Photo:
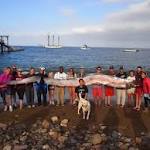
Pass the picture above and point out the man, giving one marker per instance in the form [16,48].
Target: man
[82,89]
[5,91]
[29,89]
[41,87]
[146,90]
[121,92]
[60,90]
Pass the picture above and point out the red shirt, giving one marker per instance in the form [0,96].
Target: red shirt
[146,85]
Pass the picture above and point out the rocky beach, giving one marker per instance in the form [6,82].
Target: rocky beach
[52,128]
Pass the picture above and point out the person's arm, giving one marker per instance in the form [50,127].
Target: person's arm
[56,76]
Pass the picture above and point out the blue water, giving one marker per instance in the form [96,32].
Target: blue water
[75,57]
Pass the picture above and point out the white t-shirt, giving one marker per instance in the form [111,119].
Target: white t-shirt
[60,76]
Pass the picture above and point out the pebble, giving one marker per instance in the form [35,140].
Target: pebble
[64,123]
[96,139]
[7,147]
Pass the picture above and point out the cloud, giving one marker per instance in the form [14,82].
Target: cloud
[87,29]
[68,12]
[129,27]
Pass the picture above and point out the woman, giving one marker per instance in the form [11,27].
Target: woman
[109,91]
[5,90]
[97,89]
[71,75]
[131,89]
[138,88]
[51,89]
[146,90]
[20,88]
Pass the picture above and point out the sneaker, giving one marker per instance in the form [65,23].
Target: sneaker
[5,108]
[10,108]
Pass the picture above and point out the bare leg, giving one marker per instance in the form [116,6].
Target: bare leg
[20,104]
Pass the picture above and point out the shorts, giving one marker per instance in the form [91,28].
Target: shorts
[109,91]
[97,91]
[20,92]
[131,91]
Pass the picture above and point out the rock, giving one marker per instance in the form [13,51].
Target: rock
[46,147]
[23,138]
[124,147]
[115,134]
[73,141]
[20,147]
[64,123]
[127,140]
[45,124]
[138,140]
[62,139]
[96,139]
[54,119]
[54,134]
[102,127]
[3,126]
[7,147]
[132,148]
[87,145]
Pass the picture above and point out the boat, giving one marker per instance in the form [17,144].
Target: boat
[53,45]
[84,47]
[131,50]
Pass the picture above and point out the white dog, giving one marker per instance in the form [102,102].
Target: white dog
[85,105]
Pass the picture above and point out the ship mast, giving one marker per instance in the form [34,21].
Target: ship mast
[53,40]
[58,40]
[48,40]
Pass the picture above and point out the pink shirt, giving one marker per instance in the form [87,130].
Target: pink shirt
[146,85]
[4,78]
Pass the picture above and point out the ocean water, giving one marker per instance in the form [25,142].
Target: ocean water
[75,57]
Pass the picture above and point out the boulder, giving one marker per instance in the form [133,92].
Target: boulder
[46,147]
[138,140]
[64,123]
[45,124]
[3,126]
[54,119]
[96,139]
[62,139]
[20,147]
[54,134]
[7,147]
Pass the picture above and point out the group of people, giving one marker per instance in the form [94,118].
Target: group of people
[136,90]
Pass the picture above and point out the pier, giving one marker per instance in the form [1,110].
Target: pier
[4,44]
[5,47]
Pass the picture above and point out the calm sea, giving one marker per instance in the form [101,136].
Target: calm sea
[75,57]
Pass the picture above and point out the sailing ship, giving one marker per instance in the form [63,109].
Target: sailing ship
[53,45]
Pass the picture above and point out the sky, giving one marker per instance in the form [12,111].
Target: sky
[104,23]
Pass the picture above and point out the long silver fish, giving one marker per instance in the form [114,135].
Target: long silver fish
[89,80]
